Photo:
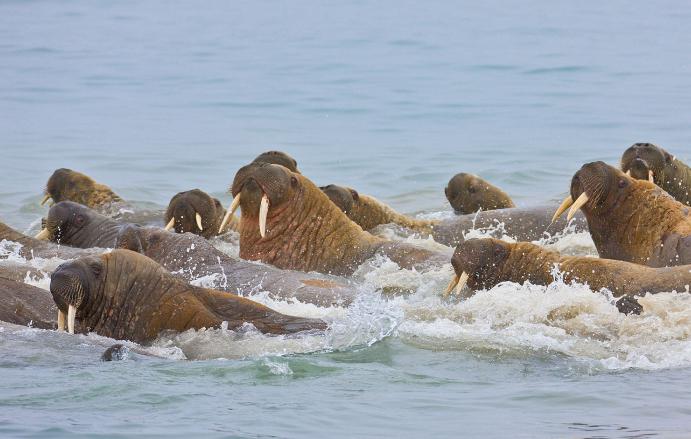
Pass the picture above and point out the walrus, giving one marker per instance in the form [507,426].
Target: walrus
[127,296]
[368,212]
[646,161]
[630,220]
[278,158]
[484,263]
[26,305]
[197,212]
[521,223]
[31,248]
[287,221]
[68,185]
[468,193]
[190,256]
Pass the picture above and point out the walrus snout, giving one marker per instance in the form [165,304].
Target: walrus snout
[341,196]
[193,211]
[68,294]
[474,260]
[63,219]
[645,161]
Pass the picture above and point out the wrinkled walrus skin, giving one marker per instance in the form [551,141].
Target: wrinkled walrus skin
[644,161]
[368,212]
[191,256]
[488,262]
[520,223]
[632,220]
[468,193]
[26,305]
[184,208]
[127,296]
[287,221]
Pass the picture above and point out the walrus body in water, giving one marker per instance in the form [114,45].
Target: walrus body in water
[630,220]
[127,296]
[31,248]
[645,161]
[26,305]
[287,221]
[197,212]
[368,212]
[190,256]
[484,263]
[468,193]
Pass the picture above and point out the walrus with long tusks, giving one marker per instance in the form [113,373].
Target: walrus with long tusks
[287,221]
[197,212]
[368,212]
[630,220]
[191,256]
[484,263]
[127,296]
[646,161]
[520,223]
[26,305]
[468,193]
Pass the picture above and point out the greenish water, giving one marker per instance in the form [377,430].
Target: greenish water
[391,98]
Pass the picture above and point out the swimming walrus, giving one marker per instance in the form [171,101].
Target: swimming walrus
[26,305]
[484,263]
[520,223]
[68,185]
[630,220]
[197,212]
[368,212]
[30,248]
[127,296]
[468,193]
[190,256]
[287,221]
[646,161]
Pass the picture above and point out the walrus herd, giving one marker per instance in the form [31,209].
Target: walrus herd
[127,275]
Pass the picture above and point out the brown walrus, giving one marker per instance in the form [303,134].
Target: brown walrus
[288,222]
[630,220]
[484,263]
[24,304]
[468,193]
[197,212]
[127,296]
[278,158]
[368,212]
[190,256]
[68,185]
[646,161]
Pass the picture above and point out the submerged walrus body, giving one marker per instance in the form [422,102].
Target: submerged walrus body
[287,221]
[190,256]
[31,248]
[26,305]
[630,220]
[645,161]
[520,223]
[484,263]
[127,296]
[468,193]
[368,212]
[197,212]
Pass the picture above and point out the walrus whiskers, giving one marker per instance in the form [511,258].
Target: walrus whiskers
[263,213]
[568,201]
[231,210]
[577,205]
[199,221]
[170,224]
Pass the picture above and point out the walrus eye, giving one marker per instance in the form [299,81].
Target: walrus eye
[622,184]
[95,268]
[293,181]
[472,189]
[79,220]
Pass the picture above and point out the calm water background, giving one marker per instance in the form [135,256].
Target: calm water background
[391,98]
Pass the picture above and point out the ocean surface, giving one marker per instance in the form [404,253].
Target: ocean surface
[391,98]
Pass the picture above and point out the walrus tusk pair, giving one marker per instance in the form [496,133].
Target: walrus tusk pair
[568,202]
[263,213]
[458,282]
[45,200]
[71,317]
[198,217]
[43,235]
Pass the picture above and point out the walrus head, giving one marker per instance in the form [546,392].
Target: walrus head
[468,193]
[194,211]
[64,223]
[72,285]
[476,263]
[343,197]
[278,158]
[646,161]
[68,185]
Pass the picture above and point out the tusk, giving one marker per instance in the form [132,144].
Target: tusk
[461,283]
[263,212]
[71,315]
[170,224]
[650,176]
[231,210]
[61,321]
[568,201]
[43,235]
[453,283]
[45,199]
[577,205]
[199,221]
[628,173]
